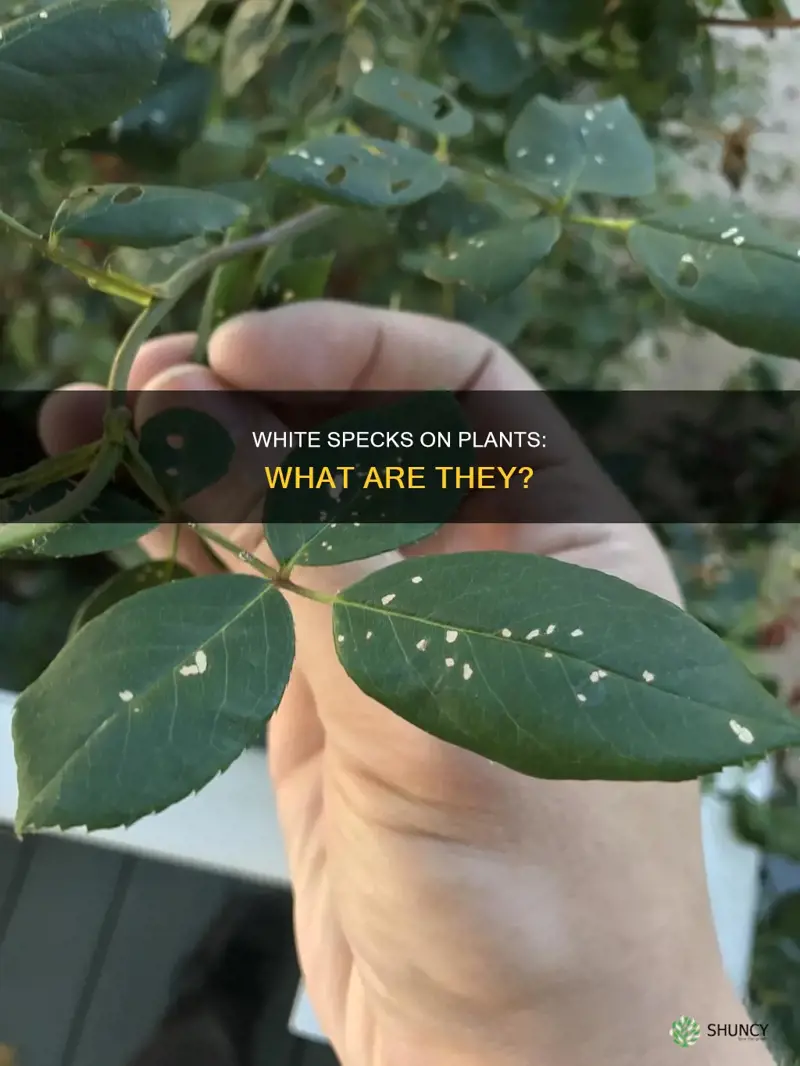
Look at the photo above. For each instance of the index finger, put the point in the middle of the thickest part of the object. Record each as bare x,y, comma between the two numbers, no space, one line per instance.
329,346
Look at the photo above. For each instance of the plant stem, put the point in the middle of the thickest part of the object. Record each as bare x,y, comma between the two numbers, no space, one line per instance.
752,24
57,468
247,557
138,333
112,284
180,283
621,225
307,594
77,500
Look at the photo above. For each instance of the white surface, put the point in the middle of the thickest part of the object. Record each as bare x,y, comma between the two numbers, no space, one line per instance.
232,827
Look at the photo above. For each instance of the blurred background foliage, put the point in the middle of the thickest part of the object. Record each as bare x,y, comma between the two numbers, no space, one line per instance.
247,78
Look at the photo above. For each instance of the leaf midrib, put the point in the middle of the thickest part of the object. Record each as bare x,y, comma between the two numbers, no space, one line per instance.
728,245
517,642
127,709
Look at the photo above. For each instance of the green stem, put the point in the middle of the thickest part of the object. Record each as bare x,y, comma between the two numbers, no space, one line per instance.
77,500
57,468
307,594
621,225
246,557
183,280
112,284
139,332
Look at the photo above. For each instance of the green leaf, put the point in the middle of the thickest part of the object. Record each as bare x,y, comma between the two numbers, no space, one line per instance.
110,523
143,216
151,574
727,272
358,170
449,213
482,53
306,279
765,9
251,34
187,450
413,102
493,262
205,664
169,120
553,670
325,526
47,96
563,18
563,149
773,827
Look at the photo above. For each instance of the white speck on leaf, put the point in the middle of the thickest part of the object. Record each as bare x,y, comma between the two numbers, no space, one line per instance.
303,153
550,159
548,655
340,638
126,696
533,633
600,159
576,633
506,632
738,241
594,676
449,662
648,677
467,671
521,153
581,698
729,233
388,598
198,667
369,634
319,161
451,636
742,732
416,580
551,629
422,644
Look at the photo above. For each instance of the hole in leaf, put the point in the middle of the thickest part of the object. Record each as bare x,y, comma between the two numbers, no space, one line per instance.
129,195
399,186
442,107
336,176
688,274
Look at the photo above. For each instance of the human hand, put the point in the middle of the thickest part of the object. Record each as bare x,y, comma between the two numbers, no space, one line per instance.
450,911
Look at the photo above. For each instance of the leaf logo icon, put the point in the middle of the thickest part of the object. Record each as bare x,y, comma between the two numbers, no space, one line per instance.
685,1031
